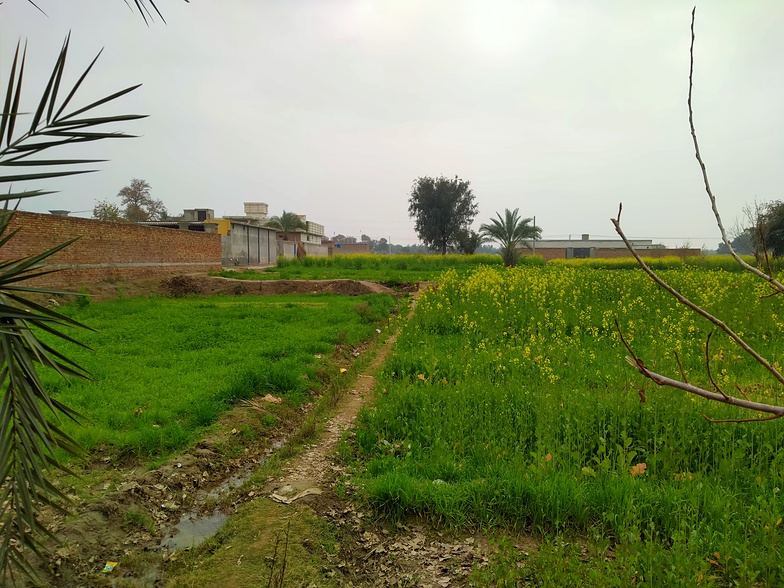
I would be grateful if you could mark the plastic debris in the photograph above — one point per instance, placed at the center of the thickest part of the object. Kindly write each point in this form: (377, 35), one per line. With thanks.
(109, 567)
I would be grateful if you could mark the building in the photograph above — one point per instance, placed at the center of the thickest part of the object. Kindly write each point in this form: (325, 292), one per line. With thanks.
(338, 248)
(246, 240)
(585, 247)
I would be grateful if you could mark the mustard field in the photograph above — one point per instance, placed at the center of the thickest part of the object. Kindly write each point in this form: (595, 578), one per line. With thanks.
(508, 405)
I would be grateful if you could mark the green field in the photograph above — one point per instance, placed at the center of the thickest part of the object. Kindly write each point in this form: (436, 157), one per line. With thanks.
(164, 369)
(395, 269)
(380, 268)
(508, 405)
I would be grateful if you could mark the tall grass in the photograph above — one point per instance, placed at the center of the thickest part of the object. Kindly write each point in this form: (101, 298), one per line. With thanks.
(508, 402)
(381, 268)
(164, 369)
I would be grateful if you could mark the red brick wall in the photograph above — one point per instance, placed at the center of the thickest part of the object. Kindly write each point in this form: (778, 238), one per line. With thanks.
(623, 252)
(109, 250)
(347, 248)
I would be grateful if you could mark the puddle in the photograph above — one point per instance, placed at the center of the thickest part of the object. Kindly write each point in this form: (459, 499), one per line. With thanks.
(192, 530)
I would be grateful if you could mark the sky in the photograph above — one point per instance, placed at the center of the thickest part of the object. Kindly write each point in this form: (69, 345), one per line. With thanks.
(333, 108)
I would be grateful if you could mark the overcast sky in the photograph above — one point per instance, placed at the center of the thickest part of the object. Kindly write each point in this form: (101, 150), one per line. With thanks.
(332, 108)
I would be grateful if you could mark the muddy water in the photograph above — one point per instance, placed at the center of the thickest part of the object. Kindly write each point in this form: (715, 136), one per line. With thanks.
(192, 530)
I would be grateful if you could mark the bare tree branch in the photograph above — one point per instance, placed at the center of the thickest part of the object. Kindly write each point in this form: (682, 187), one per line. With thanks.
(661, 380)
(680, 367)
(707, 366)
(699, 310)
(768, 278)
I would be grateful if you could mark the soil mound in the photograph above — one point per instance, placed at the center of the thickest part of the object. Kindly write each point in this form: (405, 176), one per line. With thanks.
(179, 286)
(185, 285)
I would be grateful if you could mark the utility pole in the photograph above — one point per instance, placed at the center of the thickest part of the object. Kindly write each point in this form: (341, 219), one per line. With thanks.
(534, 235)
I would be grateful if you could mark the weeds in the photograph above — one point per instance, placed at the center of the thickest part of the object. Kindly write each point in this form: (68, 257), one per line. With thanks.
(167, 368)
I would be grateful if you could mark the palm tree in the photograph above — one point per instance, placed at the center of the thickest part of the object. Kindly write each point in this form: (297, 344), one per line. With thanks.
(288, 222)
(511, 232)
(29, 416)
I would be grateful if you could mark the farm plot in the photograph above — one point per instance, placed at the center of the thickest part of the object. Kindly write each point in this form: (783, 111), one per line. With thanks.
(376, 267)
(164, 369)
(507, 405)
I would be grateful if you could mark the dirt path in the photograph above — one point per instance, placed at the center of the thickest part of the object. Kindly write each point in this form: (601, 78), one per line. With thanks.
(400, 556)
(307, 471)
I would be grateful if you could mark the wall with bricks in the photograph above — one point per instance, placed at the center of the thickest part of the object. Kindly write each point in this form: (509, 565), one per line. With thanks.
(550, 253)
(109, 250)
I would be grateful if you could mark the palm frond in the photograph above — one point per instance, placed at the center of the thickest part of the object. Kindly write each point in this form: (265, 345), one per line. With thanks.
(142, 6)
(29, 433)
(52, 124)
(511, 233)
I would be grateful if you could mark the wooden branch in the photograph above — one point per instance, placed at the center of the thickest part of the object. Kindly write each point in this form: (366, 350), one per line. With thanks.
(661, 380)
(764, 248)
(768, 278)
(746, 396)
(680, 367)
(699, 310)
(707, 366)
(759, 420)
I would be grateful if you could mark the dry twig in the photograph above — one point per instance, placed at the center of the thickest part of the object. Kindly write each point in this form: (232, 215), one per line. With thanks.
(718, 396)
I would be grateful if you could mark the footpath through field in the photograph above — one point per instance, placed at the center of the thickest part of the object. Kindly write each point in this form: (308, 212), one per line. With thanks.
(363, 554)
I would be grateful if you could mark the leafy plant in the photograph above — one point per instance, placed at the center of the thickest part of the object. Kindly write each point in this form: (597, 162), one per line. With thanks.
(29, 437)
(511, 232)
(442, 208)
(288, 222)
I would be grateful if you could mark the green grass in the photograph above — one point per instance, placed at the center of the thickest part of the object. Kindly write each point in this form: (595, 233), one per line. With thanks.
(379, 268)
(509, 405)
(165, 369)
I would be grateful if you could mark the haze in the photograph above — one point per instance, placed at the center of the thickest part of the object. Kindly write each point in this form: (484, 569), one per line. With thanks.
(332, 108)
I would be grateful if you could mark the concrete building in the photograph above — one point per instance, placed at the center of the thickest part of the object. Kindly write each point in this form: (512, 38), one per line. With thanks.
(250, 244)
(198, 214)
(585, 247)
(258, 210)
(246, 240)
(335, 248)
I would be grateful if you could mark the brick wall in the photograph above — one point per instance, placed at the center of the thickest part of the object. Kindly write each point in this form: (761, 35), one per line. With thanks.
(347, 248)
(109, 250)
(550, 253)
(623, 252)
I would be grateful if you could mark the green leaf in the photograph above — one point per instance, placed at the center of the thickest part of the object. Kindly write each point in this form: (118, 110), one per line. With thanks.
(8, 97)
(43, 175)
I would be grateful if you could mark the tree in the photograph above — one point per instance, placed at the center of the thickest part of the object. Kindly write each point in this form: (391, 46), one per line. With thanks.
(138, 203)
(741, 244)
(469, 241)
(288, 222)
(765, 230)
(511, 233)
(29, 431)
(716, 394)
(107, 211)
(382, 246)
(442, 207)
